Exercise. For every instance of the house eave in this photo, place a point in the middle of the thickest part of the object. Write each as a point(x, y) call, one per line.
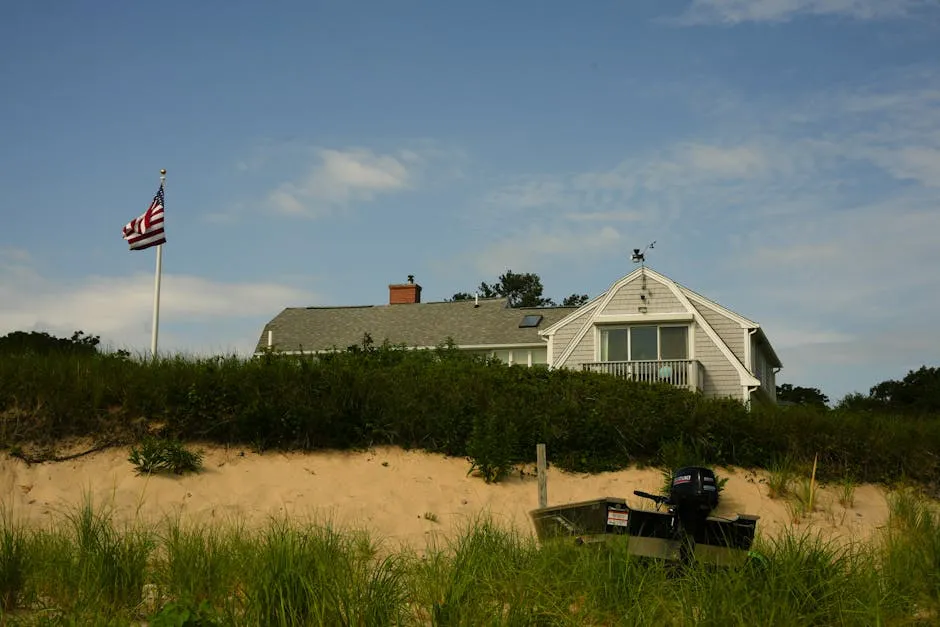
point(771, 353)
point(503, 346)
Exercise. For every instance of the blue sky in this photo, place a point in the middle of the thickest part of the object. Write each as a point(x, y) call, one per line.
point(784, 154)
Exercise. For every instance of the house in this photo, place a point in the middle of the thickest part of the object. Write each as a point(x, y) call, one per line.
point(645, 327)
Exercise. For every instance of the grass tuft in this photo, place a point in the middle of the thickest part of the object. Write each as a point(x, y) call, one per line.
point(157, 455)
point(14, 562)
point(83, 569)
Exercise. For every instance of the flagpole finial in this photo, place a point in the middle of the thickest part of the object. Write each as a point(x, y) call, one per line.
point(162, 172)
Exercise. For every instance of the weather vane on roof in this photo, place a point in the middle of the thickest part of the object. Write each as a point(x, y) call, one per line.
point(640, 257)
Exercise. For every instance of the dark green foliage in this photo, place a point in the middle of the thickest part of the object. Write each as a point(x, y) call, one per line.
point(521, 290)
point(918, 393)
point(43, 343)
point(448, 402)
point(575, 300)
point(13, 563)
point(787, 393)
point(175, 614)
point(157, 455)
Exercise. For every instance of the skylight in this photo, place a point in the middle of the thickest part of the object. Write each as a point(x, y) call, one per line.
point(532, 320)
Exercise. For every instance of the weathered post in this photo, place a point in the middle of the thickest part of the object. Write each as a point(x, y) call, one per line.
point(543, 480)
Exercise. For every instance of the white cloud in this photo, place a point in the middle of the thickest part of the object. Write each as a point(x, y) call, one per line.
point(738, 11)
point(917, 163)
point(789, 337)
point(870, 262)
point(529, 248)
point(818, 217)
point(120, 308)
point(11, 255)
point(605, 216)
point(652, 194)
point(658, 189)
point(342, 177)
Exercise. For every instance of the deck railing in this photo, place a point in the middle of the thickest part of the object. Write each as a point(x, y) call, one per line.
point(679, 372)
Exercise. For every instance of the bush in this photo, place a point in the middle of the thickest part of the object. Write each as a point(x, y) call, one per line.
point(441, 401)
point(161, 455)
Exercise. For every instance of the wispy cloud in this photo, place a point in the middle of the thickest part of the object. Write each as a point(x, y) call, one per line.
point(342, 177)
point(819, 214)
point(659, 188)
point(702, 12)
point(527, 248)
point(119, 308)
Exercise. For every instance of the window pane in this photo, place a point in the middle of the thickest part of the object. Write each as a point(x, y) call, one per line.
point(502, 355)
point(673, 342)
point(614, 345)
point(643, 343)
point(539, 356)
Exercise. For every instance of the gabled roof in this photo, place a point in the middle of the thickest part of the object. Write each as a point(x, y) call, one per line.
point(685, 296)
point(491, 323)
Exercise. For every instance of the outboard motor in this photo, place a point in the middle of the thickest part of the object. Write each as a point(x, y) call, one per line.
point(694, 494)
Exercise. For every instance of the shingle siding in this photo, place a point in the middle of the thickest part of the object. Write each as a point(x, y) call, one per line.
point(727, 329)
point(565, 334)
point(659, 298)
point(719, 376)
point(583, 352)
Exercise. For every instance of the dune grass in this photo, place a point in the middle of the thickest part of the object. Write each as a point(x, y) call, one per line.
point(85, 569)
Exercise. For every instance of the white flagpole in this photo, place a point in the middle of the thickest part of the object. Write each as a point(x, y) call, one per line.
point(156, 285)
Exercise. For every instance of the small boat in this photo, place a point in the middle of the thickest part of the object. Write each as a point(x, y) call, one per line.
point(681, 528)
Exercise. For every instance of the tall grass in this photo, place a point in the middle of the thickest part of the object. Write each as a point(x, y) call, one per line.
point(83, 570)
point(443, 401)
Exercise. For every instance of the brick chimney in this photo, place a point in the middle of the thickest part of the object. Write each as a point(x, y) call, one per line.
point(404, 293)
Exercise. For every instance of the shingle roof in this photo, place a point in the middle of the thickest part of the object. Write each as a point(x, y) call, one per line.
point(413, 324)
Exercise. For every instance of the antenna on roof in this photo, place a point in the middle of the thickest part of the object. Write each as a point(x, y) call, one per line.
point(640, 257)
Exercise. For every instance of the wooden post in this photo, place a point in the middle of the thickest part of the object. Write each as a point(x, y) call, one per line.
point(541, 466)
point(812, 484)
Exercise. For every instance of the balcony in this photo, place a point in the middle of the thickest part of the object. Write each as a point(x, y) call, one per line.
point(683, 373)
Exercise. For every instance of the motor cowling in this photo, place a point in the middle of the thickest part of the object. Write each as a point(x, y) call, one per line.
point(694, 487)
point(694, 494)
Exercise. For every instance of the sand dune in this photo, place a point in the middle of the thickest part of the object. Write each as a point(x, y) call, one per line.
point(399, 496)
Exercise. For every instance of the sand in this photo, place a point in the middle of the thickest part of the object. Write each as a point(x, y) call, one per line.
point(398, 496)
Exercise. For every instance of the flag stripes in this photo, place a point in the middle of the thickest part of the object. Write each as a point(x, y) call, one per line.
point(146, 230)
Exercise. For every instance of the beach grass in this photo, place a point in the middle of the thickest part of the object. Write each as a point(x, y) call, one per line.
point(83, 568)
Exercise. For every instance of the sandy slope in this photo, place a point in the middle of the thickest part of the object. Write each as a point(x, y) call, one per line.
point(387, 490)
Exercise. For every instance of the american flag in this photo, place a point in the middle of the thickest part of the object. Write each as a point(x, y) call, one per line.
point(147, 230)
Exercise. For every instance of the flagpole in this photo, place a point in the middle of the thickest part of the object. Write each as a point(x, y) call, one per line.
point(156, 287)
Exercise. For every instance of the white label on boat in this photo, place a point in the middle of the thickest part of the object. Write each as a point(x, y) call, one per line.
point(618, 518)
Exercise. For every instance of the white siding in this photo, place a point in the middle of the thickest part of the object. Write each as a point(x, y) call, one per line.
point(719, 376)
point(727, 329)
point(659, 298)
point(583, 352)
point(763, 370)
point(564, 335)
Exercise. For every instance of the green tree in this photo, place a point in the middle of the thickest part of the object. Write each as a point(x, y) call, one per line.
point(44, 343)
point(798, 395)
point(575, 300)
point(917, 392)
point(522, 290)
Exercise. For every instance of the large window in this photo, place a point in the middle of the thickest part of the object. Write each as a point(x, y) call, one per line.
point(644, 343)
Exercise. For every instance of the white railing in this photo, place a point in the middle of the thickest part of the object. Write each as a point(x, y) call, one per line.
point(678, 372)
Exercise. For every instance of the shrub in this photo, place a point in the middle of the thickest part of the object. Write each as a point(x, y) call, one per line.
point(441, 401)
point(161, 455)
